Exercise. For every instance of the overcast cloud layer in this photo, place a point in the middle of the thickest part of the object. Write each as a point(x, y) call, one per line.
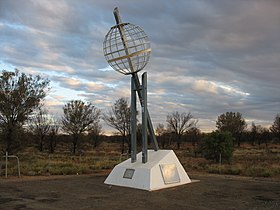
point(208, 57)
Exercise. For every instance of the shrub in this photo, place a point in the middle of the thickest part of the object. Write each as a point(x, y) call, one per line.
point(217, 143)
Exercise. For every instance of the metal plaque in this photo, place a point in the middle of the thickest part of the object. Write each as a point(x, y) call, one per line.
point(128, 174)
point(169, 173)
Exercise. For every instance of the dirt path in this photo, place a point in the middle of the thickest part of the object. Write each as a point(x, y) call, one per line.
point(89, 192)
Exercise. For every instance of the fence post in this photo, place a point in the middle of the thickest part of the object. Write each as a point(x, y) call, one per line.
point(6, 172)
point(6, 164)
point(18, 166)
point(220, 162)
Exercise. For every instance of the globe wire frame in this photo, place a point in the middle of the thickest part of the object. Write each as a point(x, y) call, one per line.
point(136, 50)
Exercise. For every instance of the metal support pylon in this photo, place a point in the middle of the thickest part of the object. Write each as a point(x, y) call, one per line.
point(146, 120)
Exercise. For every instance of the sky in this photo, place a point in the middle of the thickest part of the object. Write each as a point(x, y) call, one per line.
point(208, 57)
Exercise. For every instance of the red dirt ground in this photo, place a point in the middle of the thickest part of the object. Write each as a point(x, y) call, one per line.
point(89, 192)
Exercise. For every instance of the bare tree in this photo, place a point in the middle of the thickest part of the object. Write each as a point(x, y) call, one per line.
point(39, 124)
point(119, 118)
point(179, 124)
point(78, 118)
point(160, 129)
point(54, 129)
point(161, 135)
point(20, 94)
point(139, 134)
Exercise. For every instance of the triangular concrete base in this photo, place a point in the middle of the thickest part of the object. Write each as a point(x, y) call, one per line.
point(162, 170)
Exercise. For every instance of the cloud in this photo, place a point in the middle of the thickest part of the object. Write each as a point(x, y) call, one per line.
point(205, 86)
point(207, 57)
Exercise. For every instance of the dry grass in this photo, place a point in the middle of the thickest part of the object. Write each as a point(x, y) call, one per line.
point(247, 161)
point(63, 162)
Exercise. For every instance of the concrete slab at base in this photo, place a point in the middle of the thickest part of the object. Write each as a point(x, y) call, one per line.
point(163, 170)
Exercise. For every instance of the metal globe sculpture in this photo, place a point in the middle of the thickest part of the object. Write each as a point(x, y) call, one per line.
point(126, 48)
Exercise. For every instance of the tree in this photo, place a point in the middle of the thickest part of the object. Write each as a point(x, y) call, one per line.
point(54, 128)
point(259, 134)
point(160, 129)
point(39, 124)
point(194, 136)
point(254, 133)
point(179, 124)
point(216, 144)
point(119, 118)
point(161, 135)
point(95, 131)
point(20, 94)
point(232, 122)
point(264, 135)
point(275, 128)
point(139, 134)
point(78, 118)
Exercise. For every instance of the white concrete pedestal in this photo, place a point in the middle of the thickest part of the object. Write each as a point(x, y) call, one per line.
point(162, 170)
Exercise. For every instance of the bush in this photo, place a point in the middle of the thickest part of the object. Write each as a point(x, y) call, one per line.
point(217, 143)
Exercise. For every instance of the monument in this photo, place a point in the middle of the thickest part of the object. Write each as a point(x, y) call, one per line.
point(127, 50)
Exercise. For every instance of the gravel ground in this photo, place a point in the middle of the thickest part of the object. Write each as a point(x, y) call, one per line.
point(89, 192)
